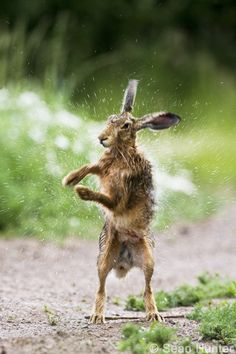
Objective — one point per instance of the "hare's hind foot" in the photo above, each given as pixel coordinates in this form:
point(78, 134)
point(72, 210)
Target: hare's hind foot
point(97, 319)
point(154, 316)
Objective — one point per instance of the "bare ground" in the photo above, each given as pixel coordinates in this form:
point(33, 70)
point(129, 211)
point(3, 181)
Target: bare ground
point(34, 274)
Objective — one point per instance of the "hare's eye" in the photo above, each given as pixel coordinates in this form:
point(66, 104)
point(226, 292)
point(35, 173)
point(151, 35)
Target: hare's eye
point(125, 126)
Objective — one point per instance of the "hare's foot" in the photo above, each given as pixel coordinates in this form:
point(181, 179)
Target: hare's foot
point(97, 319)
point(84, 192)
point(154, 316)
point(70, 180)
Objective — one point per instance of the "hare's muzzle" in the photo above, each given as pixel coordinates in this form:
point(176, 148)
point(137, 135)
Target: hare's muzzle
point(103, 141)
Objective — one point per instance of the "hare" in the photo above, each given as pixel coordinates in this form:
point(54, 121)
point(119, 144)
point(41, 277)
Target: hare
point(127, 199)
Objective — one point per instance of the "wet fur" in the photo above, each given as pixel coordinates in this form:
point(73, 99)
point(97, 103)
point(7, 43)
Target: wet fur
point(127, 178)
point(127, 199)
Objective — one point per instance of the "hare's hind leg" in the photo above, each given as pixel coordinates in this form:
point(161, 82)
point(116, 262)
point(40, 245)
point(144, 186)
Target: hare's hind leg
point(105, 264)
point(152, 313)
point(104, 268)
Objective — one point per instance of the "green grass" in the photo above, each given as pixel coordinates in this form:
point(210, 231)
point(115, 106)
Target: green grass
point(52, 318)
point(217, 322)
point(34, 160)
point(157, 338)
point(208, 287)
point(138, 340)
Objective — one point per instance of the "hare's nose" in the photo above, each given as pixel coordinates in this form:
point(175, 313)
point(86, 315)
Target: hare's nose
point(102, 140)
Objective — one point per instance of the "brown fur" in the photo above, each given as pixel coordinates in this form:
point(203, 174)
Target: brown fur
point(127, 198)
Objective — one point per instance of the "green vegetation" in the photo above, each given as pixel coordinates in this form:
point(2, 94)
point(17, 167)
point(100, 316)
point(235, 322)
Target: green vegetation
point(62, 71)
point(39, 145)
point(158, 338)
point(217, 322)
point(116, 300)
point(208, 287)
point(42, 139)
point(69, 43)
point(138, 339)
point(52, 317)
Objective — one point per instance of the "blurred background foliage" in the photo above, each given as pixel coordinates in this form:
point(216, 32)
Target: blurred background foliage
point(68, 42)
point(68, 62)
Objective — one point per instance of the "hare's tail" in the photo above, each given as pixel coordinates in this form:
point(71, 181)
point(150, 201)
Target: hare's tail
point(124, 262)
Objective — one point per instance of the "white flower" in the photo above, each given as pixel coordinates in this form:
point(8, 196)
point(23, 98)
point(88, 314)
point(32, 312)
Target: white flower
point(37, 135)
point(94, 129)
point(28, 99)
point(93, 155)
point(34, 107)
point(4, 97)
point(62, 142)
point(52, 165)
point(67, 119)
point(40, 114)
point(78, 147)
point(54, 169)
point(178, 183)
point(74, 222)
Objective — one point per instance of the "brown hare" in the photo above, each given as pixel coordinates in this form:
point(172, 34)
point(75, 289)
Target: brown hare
point(127, 198)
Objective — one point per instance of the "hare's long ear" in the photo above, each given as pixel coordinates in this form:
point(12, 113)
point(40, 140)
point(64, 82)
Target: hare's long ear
point(129, 96)
point(157, 121)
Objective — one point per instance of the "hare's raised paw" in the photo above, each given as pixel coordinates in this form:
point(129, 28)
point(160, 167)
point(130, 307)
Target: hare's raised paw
point(84, 192)
point(70, 180)
point(154, 316)
point(97, 319)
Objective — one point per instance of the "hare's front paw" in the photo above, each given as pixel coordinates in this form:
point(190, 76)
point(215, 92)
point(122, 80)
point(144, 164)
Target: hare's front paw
point(84, 192)
point(154, 316)
point(97, 319)
point(69, 180)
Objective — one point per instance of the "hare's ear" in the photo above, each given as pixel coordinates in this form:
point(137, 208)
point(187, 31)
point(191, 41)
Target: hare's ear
point(157, 121)
point(129, 96)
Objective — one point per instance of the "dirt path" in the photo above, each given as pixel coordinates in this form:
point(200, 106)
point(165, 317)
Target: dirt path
point(34, 274)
